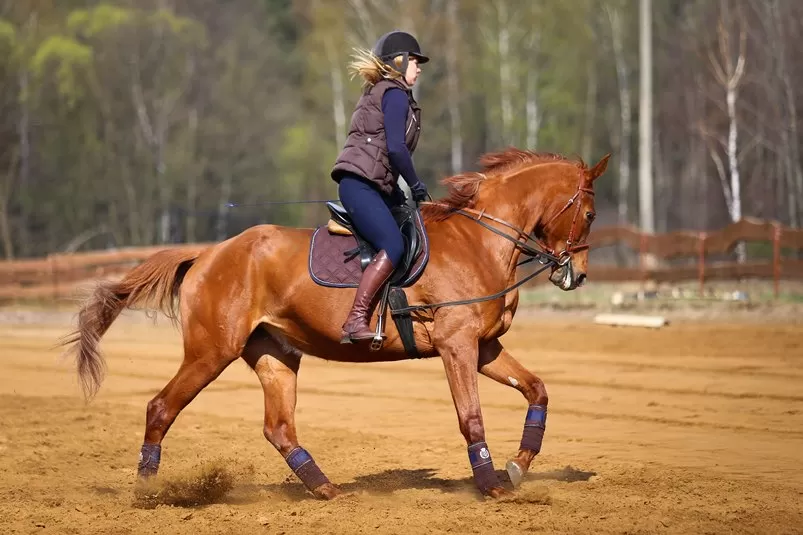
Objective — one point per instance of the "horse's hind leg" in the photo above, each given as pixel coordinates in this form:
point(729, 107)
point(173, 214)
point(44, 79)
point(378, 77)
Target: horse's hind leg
point(276, 364)
point(495, 362)
point(203, 361)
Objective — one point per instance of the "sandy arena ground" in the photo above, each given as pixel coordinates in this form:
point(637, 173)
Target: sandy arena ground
point(695, 428)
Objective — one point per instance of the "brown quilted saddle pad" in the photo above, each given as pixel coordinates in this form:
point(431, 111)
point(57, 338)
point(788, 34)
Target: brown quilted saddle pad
point(335, 258)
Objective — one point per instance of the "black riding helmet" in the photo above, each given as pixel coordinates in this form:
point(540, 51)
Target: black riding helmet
point(398, 43)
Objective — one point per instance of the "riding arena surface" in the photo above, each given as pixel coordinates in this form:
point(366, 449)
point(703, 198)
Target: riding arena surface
point(696, 427)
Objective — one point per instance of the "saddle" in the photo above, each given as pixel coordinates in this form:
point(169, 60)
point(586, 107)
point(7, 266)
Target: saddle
point(338, 256)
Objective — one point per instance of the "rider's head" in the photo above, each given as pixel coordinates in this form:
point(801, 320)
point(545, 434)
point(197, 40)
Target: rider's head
point(395, 55)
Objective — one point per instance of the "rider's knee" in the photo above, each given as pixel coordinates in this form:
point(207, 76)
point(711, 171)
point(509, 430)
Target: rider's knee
point(395, 249)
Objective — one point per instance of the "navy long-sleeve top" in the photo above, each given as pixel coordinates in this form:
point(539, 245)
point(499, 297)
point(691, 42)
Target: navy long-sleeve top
point(395, 106)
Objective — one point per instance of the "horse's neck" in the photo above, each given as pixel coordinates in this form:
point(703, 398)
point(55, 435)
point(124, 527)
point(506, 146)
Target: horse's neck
point(522, 211)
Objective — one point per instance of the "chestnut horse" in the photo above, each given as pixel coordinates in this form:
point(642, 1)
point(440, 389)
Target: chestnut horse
point(251, 297)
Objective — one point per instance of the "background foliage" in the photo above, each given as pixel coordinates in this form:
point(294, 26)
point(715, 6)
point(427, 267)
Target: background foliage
point(137, 122)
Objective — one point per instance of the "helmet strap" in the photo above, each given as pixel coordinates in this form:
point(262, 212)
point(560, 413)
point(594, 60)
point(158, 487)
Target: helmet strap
point(388, 60)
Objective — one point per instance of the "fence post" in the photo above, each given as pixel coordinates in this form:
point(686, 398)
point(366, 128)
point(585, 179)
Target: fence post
point(701, 260)
point(776, 258)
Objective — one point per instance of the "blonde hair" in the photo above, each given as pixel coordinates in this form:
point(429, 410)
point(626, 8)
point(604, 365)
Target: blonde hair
point(371, 69)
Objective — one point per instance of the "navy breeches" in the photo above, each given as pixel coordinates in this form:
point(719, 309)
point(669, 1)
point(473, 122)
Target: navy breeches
point(370, 212)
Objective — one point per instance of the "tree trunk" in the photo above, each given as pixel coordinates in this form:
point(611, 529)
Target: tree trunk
point(729, 72)
point(338, 106)
point(664, 192)
point(533, 114)
point(192, 179)
point(625, 115)
point(506, 99)
point(590, 112)
point(223, 208)
point(453, 87)
point(5, 199)
point(790, 131)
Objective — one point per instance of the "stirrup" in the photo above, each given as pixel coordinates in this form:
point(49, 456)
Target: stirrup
point(376, 342)
point(379, 337)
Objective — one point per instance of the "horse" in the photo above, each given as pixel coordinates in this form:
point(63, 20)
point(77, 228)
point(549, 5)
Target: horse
point(251, 297)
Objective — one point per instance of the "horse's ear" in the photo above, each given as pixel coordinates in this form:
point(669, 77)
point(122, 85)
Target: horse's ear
point(598, 169)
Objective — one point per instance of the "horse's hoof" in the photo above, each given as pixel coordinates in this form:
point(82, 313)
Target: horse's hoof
point(498, 492)
point(327, 491)
point(515, 472)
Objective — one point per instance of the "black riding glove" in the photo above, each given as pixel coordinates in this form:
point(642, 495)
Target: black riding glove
point(419, 192)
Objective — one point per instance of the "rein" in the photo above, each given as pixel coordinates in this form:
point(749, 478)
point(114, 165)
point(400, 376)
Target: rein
point(545, 255)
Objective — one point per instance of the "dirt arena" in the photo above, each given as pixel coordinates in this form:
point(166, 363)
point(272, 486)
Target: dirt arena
point(694, 428)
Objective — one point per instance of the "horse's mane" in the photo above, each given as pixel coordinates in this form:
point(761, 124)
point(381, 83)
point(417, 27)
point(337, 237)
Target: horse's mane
point(462, 189)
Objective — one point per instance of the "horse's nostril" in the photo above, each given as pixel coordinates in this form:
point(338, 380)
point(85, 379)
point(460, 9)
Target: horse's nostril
point(581, 278)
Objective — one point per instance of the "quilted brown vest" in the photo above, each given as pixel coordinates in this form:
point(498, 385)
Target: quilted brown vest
point(366, 150)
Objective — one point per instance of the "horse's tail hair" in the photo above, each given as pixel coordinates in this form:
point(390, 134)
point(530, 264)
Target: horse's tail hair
point(154, 284)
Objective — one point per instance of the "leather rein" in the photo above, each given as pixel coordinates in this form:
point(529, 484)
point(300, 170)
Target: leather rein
point(543, 254)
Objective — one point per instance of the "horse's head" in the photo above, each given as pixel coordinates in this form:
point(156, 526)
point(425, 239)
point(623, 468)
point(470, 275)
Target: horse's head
point(566, 221)
point(556, 209)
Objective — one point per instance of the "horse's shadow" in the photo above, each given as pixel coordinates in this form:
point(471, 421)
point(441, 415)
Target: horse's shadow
point(389, 481)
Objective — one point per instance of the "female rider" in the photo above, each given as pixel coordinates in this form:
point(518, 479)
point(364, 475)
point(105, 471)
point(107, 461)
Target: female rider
point(383, 134)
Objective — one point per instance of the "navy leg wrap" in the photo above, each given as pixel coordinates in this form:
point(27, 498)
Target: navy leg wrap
point(303, 465)
point(483, 467)
point(534, 427)
point(149, 457)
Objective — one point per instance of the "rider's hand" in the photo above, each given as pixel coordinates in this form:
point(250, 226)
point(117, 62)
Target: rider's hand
point(419, 192)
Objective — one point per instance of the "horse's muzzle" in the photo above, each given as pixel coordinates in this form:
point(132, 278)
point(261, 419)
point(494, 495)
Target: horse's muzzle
point(565, 278)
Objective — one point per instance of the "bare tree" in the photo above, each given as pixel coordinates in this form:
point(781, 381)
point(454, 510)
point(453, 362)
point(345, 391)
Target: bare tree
point(728, 69)
point(625, 113)
point(789, 131)
point(453, 85)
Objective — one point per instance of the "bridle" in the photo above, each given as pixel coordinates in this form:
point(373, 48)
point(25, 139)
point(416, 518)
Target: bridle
point(571, 247)
point(546, 252)
point(543, 254)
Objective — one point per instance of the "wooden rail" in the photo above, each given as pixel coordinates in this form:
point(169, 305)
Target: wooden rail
point(58, 276)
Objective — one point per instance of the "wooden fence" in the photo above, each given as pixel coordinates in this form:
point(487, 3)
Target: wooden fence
point(697, 248)
point(59, 276)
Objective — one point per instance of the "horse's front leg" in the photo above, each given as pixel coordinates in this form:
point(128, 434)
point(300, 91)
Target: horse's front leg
point(460, 355)
point(495, 362)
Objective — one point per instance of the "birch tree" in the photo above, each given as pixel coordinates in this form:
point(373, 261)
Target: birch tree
point(728, 67)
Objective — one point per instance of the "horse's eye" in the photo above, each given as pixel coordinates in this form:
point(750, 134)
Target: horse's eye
point(590, 216)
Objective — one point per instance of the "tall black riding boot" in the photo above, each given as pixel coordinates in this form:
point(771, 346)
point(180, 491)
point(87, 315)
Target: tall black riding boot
point(357, 325)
